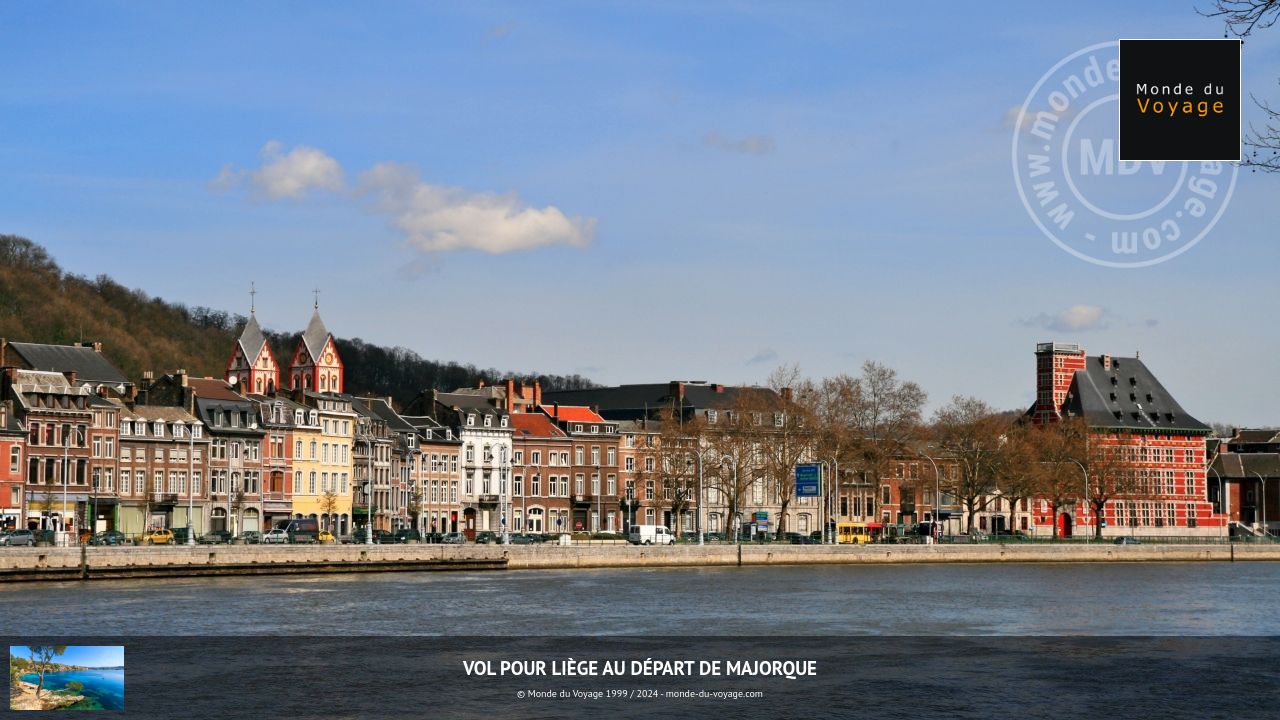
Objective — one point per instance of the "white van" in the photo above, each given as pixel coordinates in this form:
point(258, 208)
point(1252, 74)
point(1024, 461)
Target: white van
point(651, 535)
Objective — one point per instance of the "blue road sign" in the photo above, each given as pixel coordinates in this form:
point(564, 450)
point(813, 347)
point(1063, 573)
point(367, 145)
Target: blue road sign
point(808, 480)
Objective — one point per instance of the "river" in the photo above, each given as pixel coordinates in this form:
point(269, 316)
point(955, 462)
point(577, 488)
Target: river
point(945, 599)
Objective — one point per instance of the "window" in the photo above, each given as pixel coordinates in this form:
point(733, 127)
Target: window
point(536, 457)
point(579, 484)
point(311, 484)
point(629, 463)
point(535, 486)
point(611, 456)
point(578, 456)
point(15, 460)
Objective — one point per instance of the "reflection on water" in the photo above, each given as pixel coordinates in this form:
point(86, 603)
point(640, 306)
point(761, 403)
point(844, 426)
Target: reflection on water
point(1021, 599)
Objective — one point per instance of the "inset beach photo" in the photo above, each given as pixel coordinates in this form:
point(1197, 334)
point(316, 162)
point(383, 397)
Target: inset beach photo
point(66, 677)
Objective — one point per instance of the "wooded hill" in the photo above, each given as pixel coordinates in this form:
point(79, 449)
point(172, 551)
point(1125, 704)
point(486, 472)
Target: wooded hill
point(41, 303)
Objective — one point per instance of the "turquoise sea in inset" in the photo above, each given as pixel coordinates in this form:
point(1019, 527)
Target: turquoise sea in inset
point(103, 689)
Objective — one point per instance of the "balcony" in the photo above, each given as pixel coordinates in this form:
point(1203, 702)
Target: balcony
point(487, 499)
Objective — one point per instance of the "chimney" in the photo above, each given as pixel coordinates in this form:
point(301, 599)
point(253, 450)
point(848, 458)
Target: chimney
point(537, 392)
point(786, 394)
point(555, 411)
point(182, 377)
point(718, 388)
point(511, 394)
point(1106, 362)
point(676, 390)
point(97, 347)
point(481, 383)
point(71, 376)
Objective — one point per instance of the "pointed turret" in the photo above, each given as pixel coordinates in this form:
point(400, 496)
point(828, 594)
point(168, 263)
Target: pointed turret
point(252, 363)
point(316, 365)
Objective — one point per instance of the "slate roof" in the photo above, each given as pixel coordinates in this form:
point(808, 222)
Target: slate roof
point(473, 403)
point(1260, 437)
point(214, 389)
point(626, 402)
point(1243, 465)
point(1126, 396)
point(315, 336)
point(89, 365)
point(252, 338)
point(377, 407)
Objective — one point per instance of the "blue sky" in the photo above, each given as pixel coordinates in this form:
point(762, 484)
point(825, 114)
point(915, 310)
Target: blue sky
point(84, 655)
point(659, 191)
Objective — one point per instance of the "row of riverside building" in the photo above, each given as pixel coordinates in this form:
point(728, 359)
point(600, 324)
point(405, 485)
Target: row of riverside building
point(83, 448)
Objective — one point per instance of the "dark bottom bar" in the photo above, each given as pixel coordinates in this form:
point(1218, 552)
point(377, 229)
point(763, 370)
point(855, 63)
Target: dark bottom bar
point(872, 677)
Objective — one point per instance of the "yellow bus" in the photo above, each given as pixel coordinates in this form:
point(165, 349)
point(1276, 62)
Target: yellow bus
point(859, 533)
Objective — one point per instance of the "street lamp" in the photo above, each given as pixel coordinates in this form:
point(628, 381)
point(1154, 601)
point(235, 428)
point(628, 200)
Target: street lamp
point(937, 496)
point(66, 447)
point(368, 513)
point(1263, 482)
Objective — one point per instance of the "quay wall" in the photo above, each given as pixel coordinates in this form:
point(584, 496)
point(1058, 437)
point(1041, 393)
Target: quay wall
point(122, 562)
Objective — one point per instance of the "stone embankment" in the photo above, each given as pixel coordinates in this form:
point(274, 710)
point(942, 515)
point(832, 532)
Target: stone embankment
point(131, 562)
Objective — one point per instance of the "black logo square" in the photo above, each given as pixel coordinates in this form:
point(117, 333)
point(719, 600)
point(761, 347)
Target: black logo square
point(1180, 100)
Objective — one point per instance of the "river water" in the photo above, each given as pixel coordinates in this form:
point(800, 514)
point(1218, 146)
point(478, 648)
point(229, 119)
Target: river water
point(996, 599)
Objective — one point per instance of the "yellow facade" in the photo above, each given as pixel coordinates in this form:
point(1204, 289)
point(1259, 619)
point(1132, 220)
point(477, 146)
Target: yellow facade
point(322, 463)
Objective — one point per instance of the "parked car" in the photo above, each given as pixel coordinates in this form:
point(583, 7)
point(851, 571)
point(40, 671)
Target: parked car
point(651, 535)
point(300, 530)
point(433, 538)
point(18, 537)
point(250, 537)
point(524, 539)
point(799, 539)
point(161, 536)
point(278, 536)
point(453, 539)
point(1128, 540)
point(407, 535)
point(487, 537)
point(217, 537)
point(379, 536)
point(325, 537)
point(108, 537)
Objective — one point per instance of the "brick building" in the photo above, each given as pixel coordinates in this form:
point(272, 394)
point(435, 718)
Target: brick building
point(540, 453)
point(12, 443)
point(1162, 447)
point(594, 493)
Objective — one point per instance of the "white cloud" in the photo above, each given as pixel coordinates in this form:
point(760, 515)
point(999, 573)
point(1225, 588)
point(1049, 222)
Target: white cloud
point(284, 175)
point(749, 145)
point(1077, 318)
point(435, 218)
point(432, 218)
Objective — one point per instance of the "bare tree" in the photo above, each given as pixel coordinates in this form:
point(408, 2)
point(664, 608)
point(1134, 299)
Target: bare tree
point(1111, 475)
point(734, 457)
point(786, 436)
point(1241, 18)
point(1016, 470)
point(879, 416)
point(971, 434)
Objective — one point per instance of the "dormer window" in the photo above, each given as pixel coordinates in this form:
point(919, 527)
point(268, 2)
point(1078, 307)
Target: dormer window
point(488, 420)
point(179, 430)
point(197, 431)
point(471, 420)
point(141, 427)
point(157, 428)
point(577, 428)
point(504, 422)
point(711, 417)
point(126, 428)
point(777, 419)
point(595, 429)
